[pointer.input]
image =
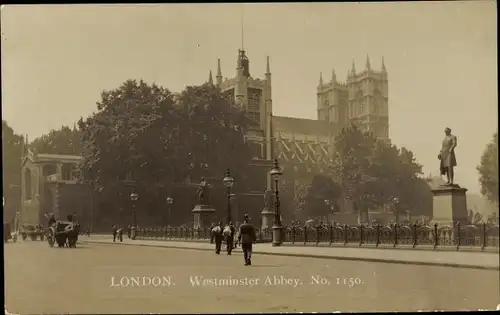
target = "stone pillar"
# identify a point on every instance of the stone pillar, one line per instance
(267, 218)
(203, 216)
(449, 205)
(59, 171)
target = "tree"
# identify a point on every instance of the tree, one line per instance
(62, 141)
(12, 146)
(488, 170)
(300, 197)
(374, 173)
(353, 166)
(322, 189)
(148, 134)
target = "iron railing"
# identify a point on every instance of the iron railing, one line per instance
(478, 236)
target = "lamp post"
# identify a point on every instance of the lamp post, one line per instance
(170, 200)
(228, 181)
(134, 197)
(276, 174)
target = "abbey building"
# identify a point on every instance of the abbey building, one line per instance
(306, 145)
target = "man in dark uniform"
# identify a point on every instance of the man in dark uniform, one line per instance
(230, 239)
(218, 237)
(52, 220)
(247, 237)
(115, 232)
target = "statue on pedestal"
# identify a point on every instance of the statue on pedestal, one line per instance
(447, 157)
(203, 192)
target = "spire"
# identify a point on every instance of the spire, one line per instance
(353, 70)
(210, 80)
(219, 73)
(268, 68)
(321, 79)
(367, 66)
(383, 65)
(334, 77)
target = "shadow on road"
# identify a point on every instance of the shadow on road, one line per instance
(258, 266)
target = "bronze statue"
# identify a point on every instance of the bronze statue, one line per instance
(203, 196)
(447, 156)
(268, 200)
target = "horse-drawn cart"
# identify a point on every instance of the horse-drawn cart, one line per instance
(63, 233)
(32, 232)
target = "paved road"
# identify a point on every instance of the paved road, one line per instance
(95, 278)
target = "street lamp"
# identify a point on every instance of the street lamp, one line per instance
(170, 200)
(228, 181)
(276, 174)
(134, 197)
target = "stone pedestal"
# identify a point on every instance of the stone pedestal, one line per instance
(203, 216)
(267, 218)
(449, 205)
(277, 235)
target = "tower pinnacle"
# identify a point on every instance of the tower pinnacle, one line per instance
(367, 66)
(268, 68)
(353, 70)
(321, 79)
(334, 76)
(383, 65)
(210, 80)
(219, 73)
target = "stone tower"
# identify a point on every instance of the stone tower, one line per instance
(368, 99)
(332, 101)
(362, 99)
(253, 95)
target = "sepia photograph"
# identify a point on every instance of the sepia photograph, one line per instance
(250, 157)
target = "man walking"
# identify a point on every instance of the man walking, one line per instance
(217, 235)
(230, 238)
(246, 237)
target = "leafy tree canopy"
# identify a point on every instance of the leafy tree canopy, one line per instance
(157, 137)
(488, 170)
(62, 141)
(374, 173)
(12, 145)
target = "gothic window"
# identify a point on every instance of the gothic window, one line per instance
(254, 96)
(27, 185)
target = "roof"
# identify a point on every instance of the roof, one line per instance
(304, 126)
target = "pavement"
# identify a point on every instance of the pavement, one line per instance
(107, 278)
(458, 259)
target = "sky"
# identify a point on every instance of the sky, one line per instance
(441, 60)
